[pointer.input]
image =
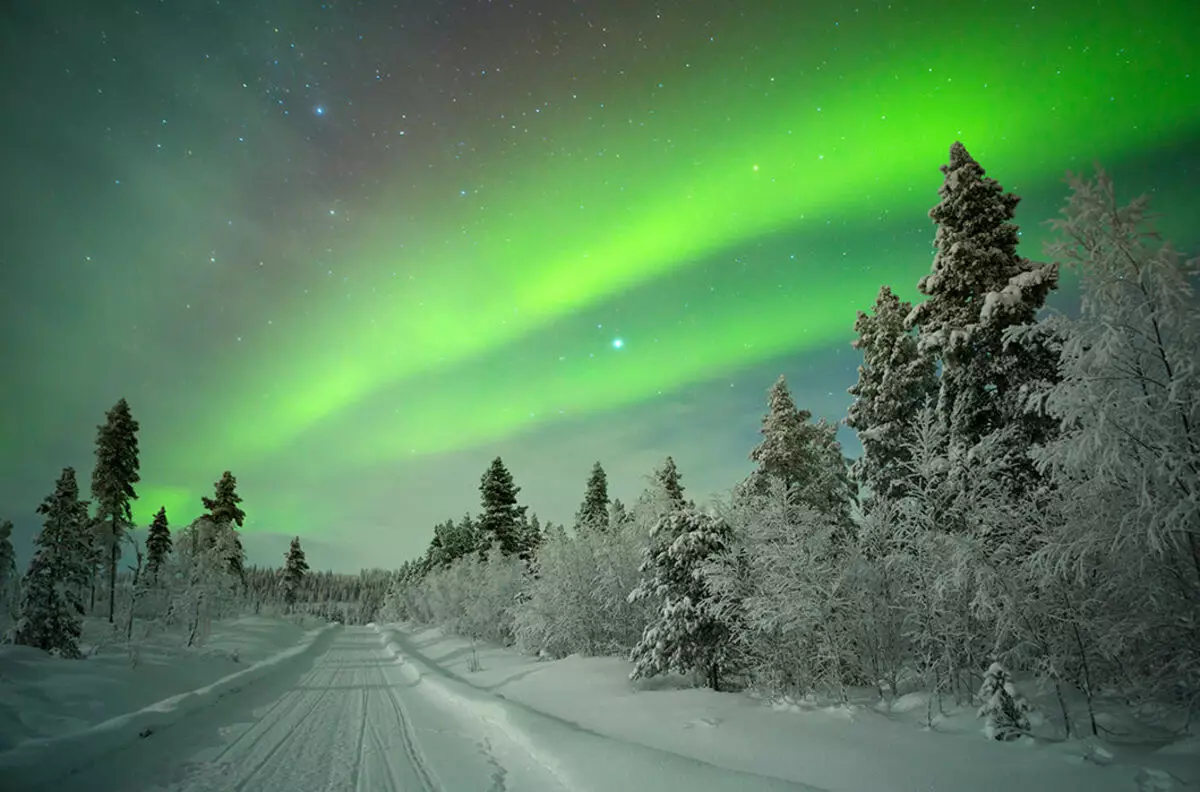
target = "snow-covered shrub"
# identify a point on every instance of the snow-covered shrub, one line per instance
(578, 601)
(786, 572)
(469, 597)
(1004, 710)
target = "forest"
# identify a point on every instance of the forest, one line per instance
(1025, 507)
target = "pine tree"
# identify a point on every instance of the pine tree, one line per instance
(686, 635)
(978, 287)
(593, 514)
(1003, 709)
(158, 544)
(223, 509)
(294, 569)
(52, 608)
(8, 570)
(223, 506)
(803, 455)
(894, 381)
(113, 478)
(669, 480)
(531, 538)
(499, 523)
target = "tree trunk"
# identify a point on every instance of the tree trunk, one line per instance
(1062, 703)
(112, 572)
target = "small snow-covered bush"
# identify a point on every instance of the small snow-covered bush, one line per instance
(1004, 710)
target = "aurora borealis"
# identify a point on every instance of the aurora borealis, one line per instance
(352, 251)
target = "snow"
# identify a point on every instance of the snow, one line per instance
(400, 707)
(50, 707)
(859, 747)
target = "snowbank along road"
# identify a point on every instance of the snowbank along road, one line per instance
(362, 715)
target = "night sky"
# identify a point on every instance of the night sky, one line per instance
(352, 251)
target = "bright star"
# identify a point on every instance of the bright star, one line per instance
(319, 110)
(618, 343)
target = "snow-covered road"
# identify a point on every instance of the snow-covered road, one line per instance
(354, 716)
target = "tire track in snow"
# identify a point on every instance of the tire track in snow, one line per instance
(287, 737)
(408, 737)
(360, 755)
(262, 726)
(367, 781)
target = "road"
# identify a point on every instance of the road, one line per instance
(351, 718)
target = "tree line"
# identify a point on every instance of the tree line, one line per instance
(1026, 500)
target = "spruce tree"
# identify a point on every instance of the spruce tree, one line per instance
(1002, 708)
(531, 538)
(113, 478)
(223, 506)
(52, 605)
(158, 544)
(802, 455)
(499, 523)
(294, 569)
(894, 381)
(593, 513)
(688, 633)
(223, 509)
(978, 288)
(669, 480)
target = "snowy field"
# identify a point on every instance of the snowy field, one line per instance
(408, 708)
(43, 696)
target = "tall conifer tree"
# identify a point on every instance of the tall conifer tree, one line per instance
(593, 513)
(499, 523)
(113, 478)
(894, 381)
(158, 544)
(52, 604)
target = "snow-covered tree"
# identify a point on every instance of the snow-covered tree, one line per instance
(618, 515)
(803, 455)
(113, 477)
(158, 545)
(593, 513)
(499, 523)
(223, 509)
(1127, 459)
(670, 482)
(1001, 706)
(929, 561)
(223, 506)
(452, 540)
(529, 537)
(894, 381)
(578, 602)
(686, 635)
(786, 572)
(294, 569)
(205, 576)
(978, 287)
(52, 608)
(474, 597)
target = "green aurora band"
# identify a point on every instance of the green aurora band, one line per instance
(664, 179)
